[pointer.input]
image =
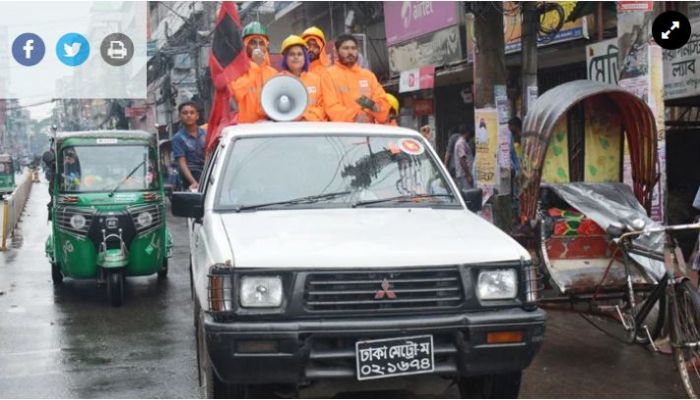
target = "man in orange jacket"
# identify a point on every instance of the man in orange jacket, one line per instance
(350, 92)
(246, 89)
(316, 43)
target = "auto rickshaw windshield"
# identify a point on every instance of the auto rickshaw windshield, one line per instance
(104, 168)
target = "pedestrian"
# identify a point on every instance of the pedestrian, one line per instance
(515, 127)
(316, 43)
(295, 62)
(464, 160)
(246, 89)
(189, 145)
(393, 117)
(449, 153)
(350, 92)
(427, 132)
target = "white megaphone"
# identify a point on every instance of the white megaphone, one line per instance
(284, 98)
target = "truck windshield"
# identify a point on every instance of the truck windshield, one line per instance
(339, 171)
(102, 168)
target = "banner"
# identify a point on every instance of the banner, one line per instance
(404, 20)
(601, 61)
(512, 21)
(682, 68)
(486, 143)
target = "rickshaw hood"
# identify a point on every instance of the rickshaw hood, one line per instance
(370, 237)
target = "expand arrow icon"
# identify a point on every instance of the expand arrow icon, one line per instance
(675, 25)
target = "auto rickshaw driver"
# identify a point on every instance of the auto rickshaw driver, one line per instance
(71, 170)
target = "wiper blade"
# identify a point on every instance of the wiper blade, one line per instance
(126, 177)
(300, 200)
(401, 199)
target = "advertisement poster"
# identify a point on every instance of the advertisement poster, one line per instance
(512, 20)
(486, 143)
(503, 155)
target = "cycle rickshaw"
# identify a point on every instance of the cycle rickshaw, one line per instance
(597, 250)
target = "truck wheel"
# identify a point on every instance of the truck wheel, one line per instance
(209, 384)
(56, 274)
(163, 273)
(501, 386)
(115, 288)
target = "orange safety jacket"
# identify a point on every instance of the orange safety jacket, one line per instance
(246, 90)
(342, 86)
(314, 111)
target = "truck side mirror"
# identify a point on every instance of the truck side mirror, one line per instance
(473, 198)
(188, 204)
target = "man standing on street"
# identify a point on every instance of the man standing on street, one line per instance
(246, 89)
(316, 42)
(350, 92)
(189, 144)
(450, 152)
(464, 160)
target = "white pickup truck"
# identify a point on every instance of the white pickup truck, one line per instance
(344, 252)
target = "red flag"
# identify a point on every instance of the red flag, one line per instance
(227, 61)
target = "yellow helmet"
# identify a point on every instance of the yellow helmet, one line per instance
(314, 31)
(292, 40)
(393, 102)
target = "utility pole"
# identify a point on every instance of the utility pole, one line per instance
(489, 62)
(530, 26)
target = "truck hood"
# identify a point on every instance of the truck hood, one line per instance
(367, 237)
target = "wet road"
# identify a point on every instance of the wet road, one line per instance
(66, 341)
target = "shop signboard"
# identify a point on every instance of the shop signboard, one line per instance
(417, 79)
(423, 107)
(438, 48)
(682, 68)
(405, 20)
(632, 6)
(601, 61)
(512, 22)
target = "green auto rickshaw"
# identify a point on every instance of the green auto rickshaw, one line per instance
(7, 175)
(107, 213)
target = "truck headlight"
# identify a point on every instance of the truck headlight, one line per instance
(261, 291)
(497, 284)
(78, 221)
(144, 219)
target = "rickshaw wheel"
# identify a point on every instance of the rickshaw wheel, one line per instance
(56, 274)
(163, 273)
(115, 288)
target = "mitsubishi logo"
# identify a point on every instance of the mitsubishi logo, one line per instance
(385, 291)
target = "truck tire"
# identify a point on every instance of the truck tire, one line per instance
(500, 386)
(211, 387)
(56, 274)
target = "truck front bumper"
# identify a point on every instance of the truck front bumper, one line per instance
(304, 351)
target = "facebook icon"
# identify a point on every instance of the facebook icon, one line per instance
(28, 49)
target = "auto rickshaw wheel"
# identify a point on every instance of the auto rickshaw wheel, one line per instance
(56, 274)
(163, 273)
(115, 288)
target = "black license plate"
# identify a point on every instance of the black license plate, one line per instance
(386, 358)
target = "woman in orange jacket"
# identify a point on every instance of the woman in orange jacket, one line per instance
(295, 62)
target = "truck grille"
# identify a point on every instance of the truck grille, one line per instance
(403, 290)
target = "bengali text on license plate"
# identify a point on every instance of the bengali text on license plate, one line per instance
(384, 358)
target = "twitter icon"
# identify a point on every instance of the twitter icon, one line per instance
(72, 49)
